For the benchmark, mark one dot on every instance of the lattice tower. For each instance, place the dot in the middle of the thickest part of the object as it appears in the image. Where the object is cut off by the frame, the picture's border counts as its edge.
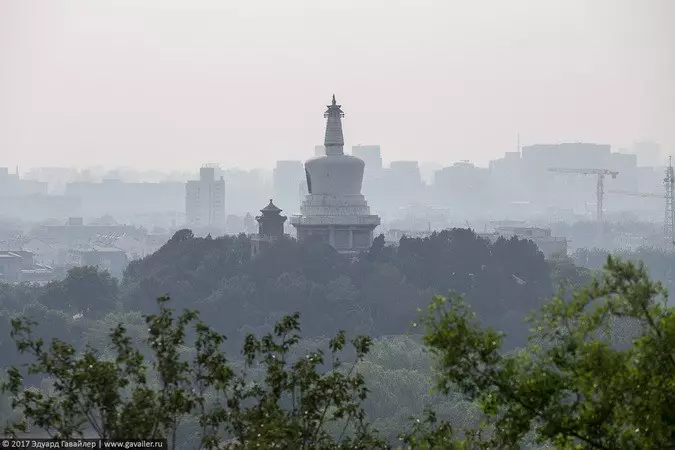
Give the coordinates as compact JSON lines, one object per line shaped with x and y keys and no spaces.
{"x":669,"y":219}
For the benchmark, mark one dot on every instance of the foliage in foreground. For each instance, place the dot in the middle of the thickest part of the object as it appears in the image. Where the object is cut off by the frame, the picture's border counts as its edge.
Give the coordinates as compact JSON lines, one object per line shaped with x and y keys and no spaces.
{"x":295,"y":406}
{"x":575,"y":385}
{"x":598,"y":373}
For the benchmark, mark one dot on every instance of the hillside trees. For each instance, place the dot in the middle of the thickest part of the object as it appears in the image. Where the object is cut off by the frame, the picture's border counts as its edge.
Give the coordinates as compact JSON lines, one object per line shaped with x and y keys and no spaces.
{"x":187,"y":267}
{"x":566,"y":275}
{"x":15,"y":296}
{"x":598,"y":373}
{"x":570,"y":386}
{"x":84,"y":289}
{"x":660,"y":263}
{"x":378,"y":291}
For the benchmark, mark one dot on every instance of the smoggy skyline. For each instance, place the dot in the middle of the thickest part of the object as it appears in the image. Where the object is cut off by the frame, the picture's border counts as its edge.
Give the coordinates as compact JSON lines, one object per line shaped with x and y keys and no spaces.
{"x":174,"y":84}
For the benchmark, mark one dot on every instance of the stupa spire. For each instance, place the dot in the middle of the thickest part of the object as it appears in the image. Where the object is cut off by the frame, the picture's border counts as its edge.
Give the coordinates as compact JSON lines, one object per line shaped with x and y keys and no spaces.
{"x":334,"y":140}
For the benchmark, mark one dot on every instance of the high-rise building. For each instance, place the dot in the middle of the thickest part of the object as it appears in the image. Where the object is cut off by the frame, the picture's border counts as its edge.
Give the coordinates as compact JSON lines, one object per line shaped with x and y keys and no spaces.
{"x":373,"y":186}
{"x":544,"y":187}
{"x":13,"y":185}
{"x":205,"y":200}
{"x":334,"y":209}
{"x":648,"y":154}
{"x":286,"y":179}
{"x":371,"y":156}
{"x":577,"y":155}
{"x":463,"y":186}
{"x":118,"y":198}
{"x":408,"y":172}
{"x":626,"y":164}
{"x":402,"y":184}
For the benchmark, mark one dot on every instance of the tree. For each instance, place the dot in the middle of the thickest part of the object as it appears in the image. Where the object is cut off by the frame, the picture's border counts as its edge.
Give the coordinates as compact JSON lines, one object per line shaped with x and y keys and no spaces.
{"x":502,"y":281}
{"x":570,"y":386}
{"x":84,"y":288}
{"x":292,"y":406}
{"x":182,"y":235}
{"x":565,"y":274}
{"x":15,"y":296}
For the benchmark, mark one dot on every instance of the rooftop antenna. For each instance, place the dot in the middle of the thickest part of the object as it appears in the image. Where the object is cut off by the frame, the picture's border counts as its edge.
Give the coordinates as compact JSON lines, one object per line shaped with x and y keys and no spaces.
{"x":519,"y":143}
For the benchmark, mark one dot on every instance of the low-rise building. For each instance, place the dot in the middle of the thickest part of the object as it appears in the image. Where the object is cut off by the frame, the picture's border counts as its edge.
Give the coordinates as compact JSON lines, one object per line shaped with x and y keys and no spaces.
{"x":10,"y":266}
{"x":111,"y":259}
{"x":18,"y":266}
{"x":44,"y":252}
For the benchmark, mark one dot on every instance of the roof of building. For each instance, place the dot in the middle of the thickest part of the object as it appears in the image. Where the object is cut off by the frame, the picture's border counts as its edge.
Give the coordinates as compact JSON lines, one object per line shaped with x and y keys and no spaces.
{"x":271,"y":208}
{"x":37,"y":271}
{"x":97,"y":249}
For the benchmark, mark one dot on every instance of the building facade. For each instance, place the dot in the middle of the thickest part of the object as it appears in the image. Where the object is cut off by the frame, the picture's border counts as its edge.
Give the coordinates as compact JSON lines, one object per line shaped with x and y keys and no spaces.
{"x":115,"y":197}
{"x":205,"y":200}
{"x":334,"y":209}
{"x":372,"y":157}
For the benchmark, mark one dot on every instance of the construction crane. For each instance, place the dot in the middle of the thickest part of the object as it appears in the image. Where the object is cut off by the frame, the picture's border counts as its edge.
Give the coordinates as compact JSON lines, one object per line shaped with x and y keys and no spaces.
{"x":600,"y":190}
{"x":669,"y":195}
{"x":638,"y":194}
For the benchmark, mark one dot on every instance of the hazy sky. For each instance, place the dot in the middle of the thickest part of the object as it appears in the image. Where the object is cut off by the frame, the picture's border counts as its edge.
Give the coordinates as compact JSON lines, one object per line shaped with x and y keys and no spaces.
{"x":174,"y":84}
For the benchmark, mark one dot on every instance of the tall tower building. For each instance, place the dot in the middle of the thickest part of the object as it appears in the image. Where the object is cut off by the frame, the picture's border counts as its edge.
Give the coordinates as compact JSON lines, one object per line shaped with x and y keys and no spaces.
{"x":334,"y":208}
{"x":205,"y":200}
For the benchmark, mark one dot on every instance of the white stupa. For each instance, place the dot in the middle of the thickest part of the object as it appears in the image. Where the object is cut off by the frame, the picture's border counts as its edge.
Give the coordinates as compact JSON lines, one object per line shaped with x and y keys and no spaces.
{"x":334,"y":207}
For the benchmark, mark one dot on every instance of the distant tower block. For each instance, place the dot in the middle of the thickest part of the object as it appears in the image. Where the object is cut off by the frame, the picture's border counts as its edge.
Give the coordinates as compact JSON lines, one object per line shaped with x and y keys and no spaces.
{"x":270,"y":228}
{"x":334,"y":208}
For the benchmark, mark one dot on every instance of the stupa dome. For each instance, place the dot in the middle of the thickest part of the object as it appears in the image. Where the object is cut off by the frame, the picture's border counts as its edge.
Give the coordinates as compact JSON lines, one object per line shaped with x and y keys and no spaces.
{"x":334,"y":173}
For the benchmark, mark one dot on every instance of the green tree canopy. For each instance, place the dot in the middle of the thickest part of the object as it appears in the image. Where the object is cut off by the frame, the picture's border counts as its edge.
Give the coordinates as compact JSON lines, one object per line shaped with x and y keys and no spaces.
{"x":293,"y":404}
{"x":570,"y":386}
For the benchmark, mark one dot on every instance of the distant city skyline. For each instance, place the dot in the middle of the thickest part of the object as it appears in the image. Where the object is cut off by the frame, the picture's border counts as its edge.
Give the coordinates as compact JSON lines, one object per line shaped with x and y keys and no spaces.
{"x":649,"y":154}
{"x":169,"y":86}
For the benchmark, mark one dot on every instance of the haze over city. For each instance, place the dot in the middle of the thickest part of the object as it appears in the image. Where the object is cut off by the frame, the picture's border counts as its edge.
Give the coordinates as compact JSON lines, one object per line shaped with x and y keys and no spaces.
{"x":169,"y":85}
{"x":309,"y":224}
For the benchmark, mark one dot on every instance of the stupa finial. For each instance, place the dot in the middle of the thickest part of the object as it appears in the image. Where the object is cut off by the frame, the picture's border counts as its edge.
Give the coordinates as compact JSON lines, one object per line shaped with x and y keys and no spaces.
{"x":334,"y":140}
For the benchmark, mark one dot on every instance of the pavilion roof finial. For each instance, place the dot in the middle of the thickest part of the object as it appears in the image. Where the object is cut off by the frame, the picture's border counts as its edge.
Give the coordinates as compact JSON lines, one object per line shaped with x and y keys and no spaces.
{"x":334,"y":102}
